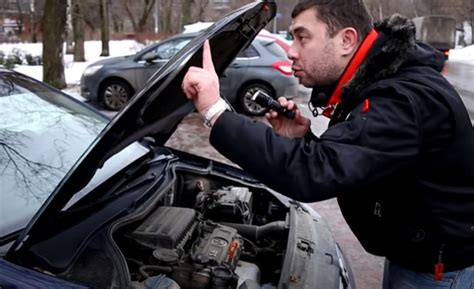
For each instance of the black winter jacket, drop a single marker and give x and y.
(403, 171)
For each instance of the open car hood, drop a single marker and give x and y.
(157, 109)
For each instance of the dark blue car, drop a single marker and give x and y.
(88, 203)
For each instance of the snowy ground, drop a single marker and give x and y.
(465, 54)
(73, 70)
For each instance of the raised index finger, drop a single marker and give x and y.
(207, 63)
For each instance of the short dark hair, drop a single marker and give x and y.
(339, 14)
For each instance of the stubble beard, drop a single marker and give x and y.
(324, 71)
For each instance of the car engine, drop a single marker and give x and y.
(199, 247)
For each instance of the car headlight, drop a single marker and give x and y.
(92, 69)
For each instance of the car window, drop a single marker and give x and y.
(248, 52)
(42, 134)
(168, 49)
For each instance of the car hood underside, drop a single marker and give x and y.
(156, 110)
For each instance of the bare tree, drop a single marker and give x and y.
(54, 23)
(19, 20)
(139, 20)
(117, 21)
(471, 20)
(463, 11)
(104, 27)
(186, 6)
(35, 7)
(69, 35)
(91, 14)
(201, 7)
(78, 30)
(166, 8)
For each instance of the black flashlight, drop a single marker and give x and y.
(265, 100)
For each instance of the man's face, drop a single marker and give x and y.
(315, 57)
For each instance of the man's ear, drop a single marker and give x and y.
(349, 40)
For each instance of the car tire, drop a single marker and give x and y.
(114, 94)
(247, 105)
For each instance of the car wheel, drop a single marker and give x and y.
(115, 94)
(246, 103)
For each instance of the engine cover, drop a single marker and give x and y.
(219, 245)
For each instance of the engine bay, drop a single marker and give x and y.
(190, 227)
(205, 234)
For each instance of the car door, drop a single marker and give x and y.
(157, 57)
(236, 74)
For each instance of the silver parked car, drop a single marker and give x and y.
(263, 65)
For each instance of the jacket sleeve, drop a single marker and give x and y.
(364, 148)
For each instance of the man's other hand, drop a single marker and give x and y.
(284, 126)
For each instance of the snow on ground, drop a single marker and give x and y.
(73, 70)
(465, 54)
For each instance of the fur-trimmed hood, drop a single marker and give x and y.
(394, 49)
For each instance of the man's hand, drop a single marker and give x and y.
(202, 84)
(292, 128)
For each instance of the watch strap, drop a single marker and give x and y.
(219, 106)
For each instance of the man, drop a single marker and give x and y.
(398, 153)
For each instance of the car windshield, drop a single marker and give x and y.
(170, 48)
(42, 134)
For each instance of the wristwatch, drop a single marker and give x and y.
(219, 106)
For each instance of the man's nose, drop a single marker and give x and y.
(292, 52)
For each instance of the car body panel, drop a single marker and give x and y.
(14, 276)
(260, 60)
(236, 70)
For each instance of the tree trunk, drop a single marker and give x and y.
(104, 27)
(33, 22)
(471, 16)
(54, 23)
(186, 11)
(117, 22)
(165, 19)
(19, 21)
(202, 6)
(69, 29)
(78, 29)
(131, 16)
(147, 9)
